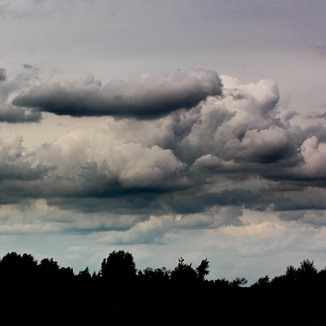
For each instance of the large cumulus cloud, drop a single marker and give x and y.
(235, 146)
(142, 96)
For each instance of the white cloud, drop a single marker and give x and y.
(314, 155)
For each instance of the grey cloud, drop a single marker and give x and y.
(9, 113)
(27, 66)
(222, 126)
(144, 97)
(19, 115)
(19, 175)
(206, 140)
(317, 115)
(229, 150)
(317, 217)
(277, 198)
(14, 164)
(3, 74)
(264, 146)
(21, 171)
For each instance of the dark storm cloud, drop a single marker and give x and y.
(144, 97)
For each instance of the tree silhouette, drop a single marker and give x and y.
(84, 275)
(239, 281)
(306, 271)
(16, 264)
(119, 266)
(202, 269)
(120, 294)
(183, 272)
(157, 275)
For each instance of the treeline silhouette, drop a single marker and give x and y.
(119, 294)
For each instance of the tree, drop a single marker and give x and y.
(183, 272)
(155, 274)
(119, 266)
(306, 273)
(84, 275)
(239, 281)
(307, 267)
(48, 267)
(202, 269)
(262, 282)
(18, 267)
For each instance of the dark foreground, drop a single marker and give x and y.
(45, 294)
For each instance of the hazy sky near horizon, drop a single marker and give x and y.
(170, 129)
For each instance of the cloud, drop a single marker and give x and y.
(147, 96)
(3, 75)
(8, 112)
(18, 115)
(18, 174)
(266, 146)
(314, 155)
(237, 176)
(154, 228)
(237, 149)
(316, 217)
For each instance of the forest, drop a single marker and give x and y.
(119, 294)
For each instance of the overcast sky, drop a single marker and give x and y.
(168, 129)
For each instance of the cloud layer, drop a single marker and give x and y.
(234, 145)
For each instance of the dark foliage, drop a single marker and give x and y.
(45, 293)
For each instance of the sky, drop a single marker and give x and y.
(170, 129)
